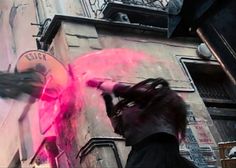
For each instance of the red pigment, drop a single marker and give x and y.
(51, 107)
(119, 65)
(114, 64)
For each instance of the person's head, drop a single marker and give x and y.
(160, 100)
(166, 102)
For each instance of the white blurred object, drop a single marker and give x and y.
(232, 152)
(203, 51)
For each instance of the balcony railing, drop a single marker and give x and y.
(139, 12)
(98, 6)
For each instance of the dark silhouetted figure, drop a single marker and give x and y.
(12, 85)
(153, 123)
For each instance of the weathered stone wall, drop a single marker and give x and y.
(16, 34)
(16, 38)
(80, 39)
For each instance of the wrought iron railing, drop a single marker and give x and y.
(97, 6)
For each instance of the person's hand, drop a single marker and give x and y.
(107, 86)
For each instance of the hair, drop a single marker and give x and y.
(159, 99)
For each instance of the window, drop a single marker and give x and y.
(218, 94)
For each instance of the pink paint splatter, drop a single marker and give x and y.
(118, 64)
(115, 64)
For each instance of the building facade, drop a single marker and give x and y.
(94, 39)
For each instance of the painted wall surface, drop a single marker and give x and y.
(19, 127)
(16, 38)
(48, 8)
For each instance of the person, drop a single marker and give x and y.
(153, 124)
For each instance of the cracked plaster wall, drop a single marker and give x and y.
(16, 38)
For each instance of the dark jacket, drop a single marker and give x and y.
(135, 127)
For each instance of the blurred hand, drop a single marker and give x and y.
(108, 103)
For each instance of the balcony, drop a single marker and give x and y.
(141, 12)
